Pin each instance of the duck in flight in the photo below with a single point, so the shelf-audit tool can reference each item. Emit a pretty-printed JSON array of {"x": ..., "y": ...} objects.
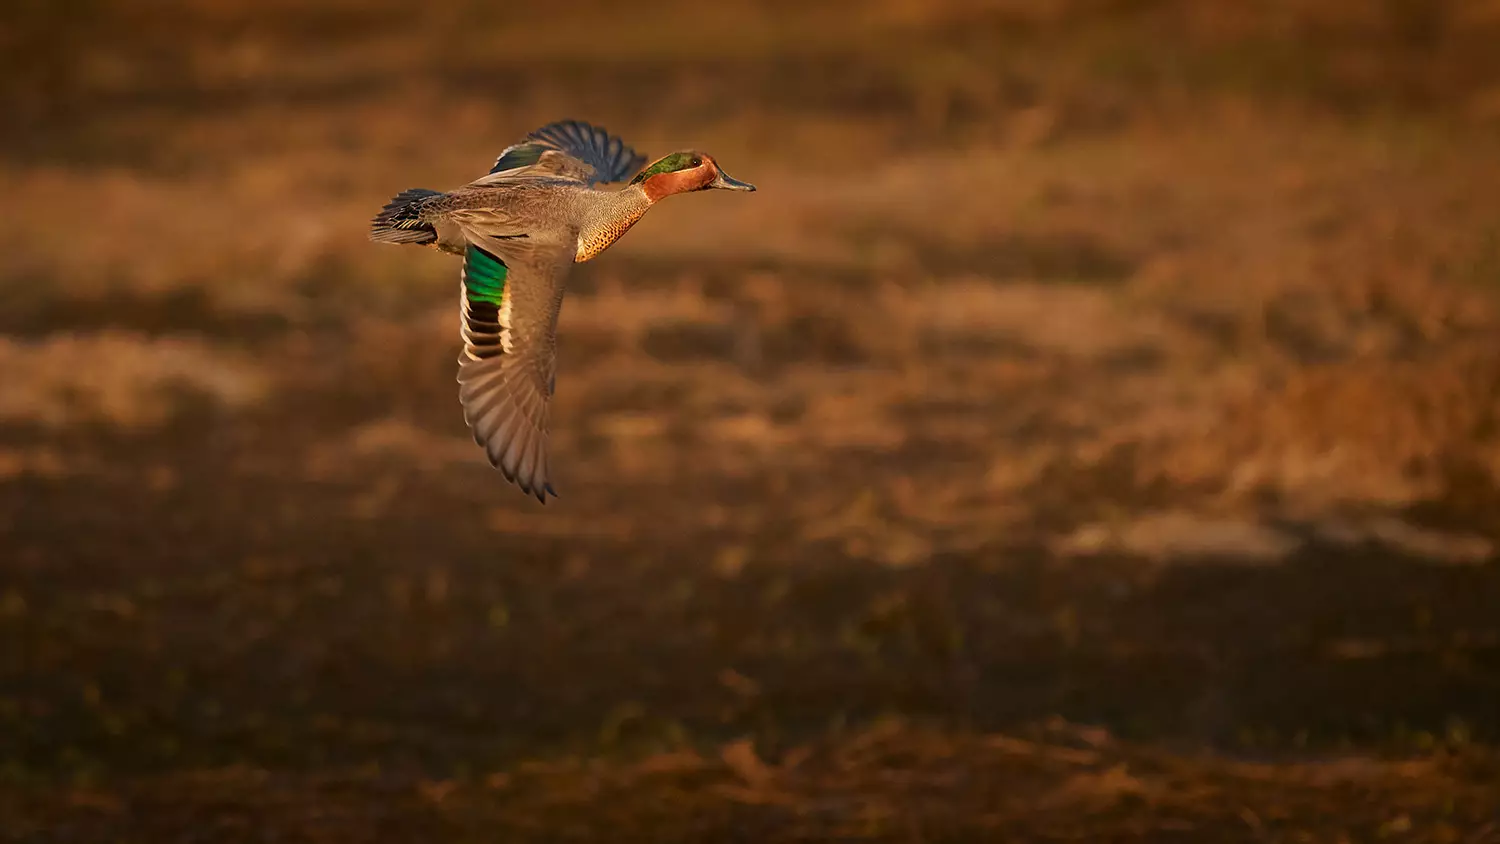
[{"x": 519, "y": 229}]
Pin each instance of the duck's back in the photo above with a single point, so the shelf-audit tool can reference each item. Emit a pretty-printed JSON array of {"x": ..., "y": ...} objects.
[{"x": 540, "y": 209}]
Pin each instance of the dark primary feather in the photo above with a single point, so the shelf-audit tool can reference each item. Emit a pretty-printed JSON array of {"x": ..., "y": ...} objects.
[{"x": 608, "y": 157}]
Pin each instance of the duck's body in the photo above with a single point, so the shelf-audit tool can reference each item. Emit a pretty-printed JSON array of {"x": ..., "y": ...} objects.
[
  {"x": 519, "y": 230},
  {"x": 593, "y": 219}
]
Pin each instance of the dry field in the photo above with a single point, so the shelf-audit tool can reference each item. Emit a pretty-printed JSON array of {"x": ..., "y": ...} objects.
[{"x": 1089, "y": 431}]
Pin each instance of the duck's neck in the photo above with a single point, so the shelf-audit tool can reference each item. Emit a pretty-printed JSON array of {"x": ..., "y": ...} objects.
[{"x": 612, "y": 213}]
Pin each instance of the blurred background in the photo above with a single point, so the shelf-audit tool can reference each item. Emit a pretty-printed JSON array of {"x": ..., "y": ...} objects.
[{"x": 1090, "y": 430}]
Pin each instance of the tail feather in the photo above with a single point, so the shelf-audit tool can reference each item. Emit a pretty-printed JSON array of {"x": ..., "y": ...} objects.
[{"x": 400, "y": 221}]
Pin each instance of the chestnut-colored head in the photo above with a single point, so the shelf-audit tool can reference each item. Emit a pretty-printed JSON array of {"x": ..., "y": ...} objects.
[{"x": 685, "y": 171}]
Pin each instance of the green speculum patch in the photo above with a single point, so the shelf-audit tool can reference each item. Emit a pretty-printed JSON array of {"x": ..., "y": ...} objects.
[
  {"x": 484, "y": 291},
  {"x": 484, "y": 276},
  {"x": 524, "y": 155}
]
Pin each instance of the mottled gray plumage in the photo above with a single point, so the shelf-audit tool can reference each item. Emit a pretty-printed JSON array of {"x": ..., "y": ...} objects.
[{"x": 519, "y": 229}]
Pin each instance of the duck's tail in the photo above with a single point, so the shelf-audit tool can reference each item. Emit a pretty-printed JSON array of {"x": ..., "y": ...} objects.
[{"x": 400, "y": 221}]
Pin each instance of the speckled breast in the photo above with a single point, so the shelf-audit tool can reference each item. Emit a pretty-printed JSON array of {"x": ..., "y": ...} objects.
[{"x": 596, "y": 236}]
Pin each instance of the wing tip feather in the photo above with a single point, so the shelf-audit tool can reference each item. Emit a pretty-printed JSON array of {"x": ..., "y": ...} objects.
[{"x": 512, "y": 443}]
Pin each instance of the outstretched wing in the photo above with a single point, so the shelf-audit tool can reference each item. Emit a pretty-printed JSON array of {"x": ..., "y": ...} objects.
[
  {"x": 570, "y": 149},
  {"x": 508, "y": 367}
]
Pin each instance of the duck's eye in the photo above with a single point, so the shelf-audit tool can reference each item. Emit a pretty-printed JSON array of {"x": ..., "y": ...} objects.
[{"x": 696, "y": 162}]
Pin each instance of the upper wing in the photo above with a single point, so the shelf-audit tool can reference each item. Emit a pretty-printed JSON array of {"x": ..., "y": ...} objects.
[
  {"x": 569, "y": 149},
  {"x": 508, "y": 368}
]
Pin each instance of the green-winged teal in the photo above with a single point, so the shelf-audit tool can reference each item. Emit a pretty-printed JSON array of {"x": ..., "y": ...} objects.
[{"x": 519, "y": 228}]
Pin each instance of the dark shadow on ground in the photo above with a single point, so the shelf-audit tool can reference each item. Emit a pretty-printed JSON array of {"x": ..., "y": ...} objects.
[{"x": 248, "y": 618}]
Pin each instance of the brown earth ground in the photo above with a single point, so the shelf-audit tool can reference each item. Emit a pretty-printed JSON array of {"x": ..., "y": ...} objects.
[{"x": 1090, "y": 431}]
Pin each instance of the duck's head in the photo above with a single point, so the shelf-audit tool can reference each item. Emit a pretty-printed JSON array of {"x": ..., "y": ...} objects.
[{"x": 685, "y": 171}]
